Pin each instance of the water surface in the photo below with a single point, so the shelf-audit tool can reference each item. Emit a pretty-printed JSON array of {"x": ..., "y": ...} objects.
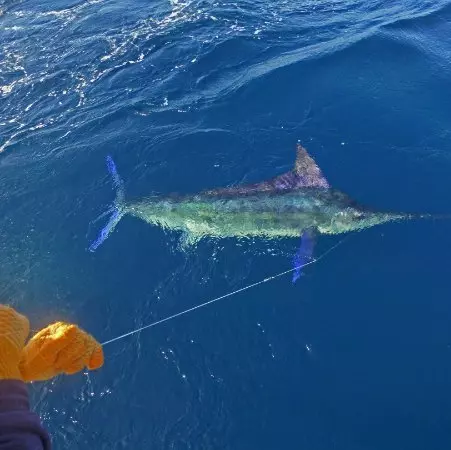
[{"x": 190, "y": 95}]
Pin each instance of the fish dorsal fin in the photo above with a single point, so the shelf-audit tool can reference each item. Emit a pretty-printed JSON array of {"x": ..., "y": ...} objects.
[
  {"x": 306, "y": 173},
  {"x": 307, "y": 170}
]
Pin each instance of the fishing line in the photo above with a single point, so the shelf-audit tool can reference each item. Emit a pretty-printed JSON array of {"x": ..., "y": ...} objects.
[{"x": 222, "y": 297}]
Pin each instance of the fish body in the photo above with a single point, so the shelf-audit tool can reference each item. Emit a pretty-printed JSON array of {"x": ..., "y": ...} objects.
[
  {"x": 283, "y": 207},
  {"x": 270, "y": 215}
]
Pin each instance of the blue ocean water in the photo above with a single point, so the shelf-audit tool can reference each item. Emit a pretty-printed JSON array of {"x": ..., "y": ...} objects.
[{"x": 194, "y": 94}]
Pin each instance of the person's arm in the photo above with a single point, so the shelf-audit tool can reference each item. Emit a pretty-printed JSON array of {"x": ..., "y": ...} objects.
[{"x": 20, "y": 429}]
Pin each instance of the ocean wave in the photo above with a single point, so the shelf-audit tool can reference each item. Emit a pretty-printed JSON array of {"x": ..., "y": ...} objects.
[{"x": 179, "y": 56}]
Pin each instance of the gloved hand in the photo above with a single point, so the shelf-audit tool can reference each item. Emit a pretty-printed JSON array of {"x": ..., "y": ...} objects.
[
  {"x": 14, "y": 329},
  {"x": 58, "y": 348}
]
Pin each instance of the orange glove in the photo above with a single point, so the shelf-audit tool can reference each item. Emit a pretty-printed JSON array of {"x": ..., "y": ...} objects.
[
  {"x": 59, "y": 348},
  {"x": 14, "y": 329}
]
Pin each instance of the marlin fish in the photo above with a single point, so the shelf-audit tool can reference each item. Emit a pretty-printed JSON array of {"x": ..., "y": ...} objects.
[{"x": 298, "y": 202}]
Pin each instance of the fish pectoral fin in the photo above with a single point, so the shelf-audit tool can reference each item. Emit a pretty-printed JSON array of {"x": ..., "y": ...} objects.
[{"x": 304, "y": 255}]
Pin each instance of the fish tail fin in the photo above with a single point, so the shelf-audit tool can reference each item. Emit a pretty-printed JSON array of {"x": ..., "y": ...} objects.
[{"x": 117, "y": 211}]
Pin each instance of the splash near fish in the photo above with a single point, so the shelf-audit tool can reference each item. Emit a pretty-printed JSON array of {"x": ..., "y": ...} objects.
[{"x": 298, "y": 202}]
